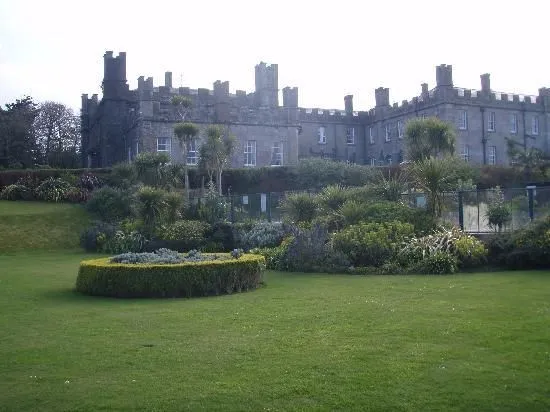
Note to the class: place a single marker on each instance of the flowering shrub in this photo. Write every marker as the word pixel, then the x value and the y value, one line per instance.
pixel 263 234
pixel 438 263
pixel 16 192
pixel 52 190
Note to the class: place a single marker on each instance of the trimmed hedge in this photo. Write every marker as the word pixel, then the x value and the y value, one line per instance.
pixel 99 277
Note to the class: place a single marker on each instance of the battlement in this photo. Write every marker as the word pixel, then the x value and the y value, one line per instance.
pixel 323 115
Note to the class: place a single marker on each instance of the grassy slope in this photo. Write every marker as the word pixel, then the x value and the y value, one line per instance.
pixel 464 342
pixel 26 226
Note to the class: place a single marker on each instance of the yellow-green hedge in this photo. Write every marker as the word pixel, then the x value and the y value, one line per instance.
pixel 102 278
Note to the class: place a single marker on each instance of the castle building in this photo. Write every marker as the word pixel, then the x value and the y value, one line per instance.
pixel 127 122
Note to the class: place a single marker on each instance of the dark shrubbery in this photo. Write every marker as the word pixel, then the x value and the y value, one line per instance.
pixel 214 277
pixel 372 244
pixel 16 192
pixel 110 204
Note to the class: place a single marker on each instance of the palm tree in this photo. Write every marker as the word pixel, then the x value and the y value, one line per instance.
pixel 215 153
pixel 432 137
pixel 185 132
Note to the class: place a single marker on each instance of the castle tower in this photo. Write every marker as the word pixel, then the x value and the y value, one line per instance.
pixel 267 85
pixel 114 76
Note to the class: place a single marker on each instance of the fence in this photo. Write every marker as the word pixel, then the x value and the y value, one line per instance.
pixel 467 209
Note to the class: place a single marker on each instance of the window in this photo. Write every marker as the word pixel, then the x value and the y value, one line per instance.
pixel 513 123
pixel 192 153
pixel 535 125
pixel 424 116
pixel 164 144
pixel 277 154
pixel 400 129
pixel 322 135
pixel 350 135
pixel 250 153
pixel 462 120
pixel 372 161
pixel 492 155
pixel 371 136
pixel 465 153
pixel 491 122
pixel 387 132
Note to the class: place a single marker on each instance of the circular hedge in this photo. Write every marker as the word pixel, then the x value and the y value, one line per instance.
pixel 100 277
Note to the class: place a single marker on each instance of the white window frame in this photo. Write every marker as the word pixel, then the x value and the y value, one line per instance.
pixel 372 161
pixel 535 125
pixel 492 157
pixel 465 154
pixel 387 133
pixel 491 122
pixel 166 145
pixel 277 154
pixel 350 135
pixel 371 136
pixel 192 153
pixel 400 129
pixel 321 133
pixel 250 153
pixel 462 119
pixel 513 123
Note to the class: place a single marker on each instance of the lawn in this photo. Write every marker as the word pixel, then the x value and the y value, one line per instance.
pixel 303 342
pixel 40 226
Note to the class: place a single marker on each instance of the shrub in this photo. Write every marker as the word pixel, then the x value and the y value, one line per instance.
pixel 310 250
pixel 95 236
pixel 110 204
pixel 275 257
pixel 160 256
pixel 192 232
pixel 299 208
pixel 332 198
pixel 530 246
pixel 213 277
pixel 77 195
pixel 468 251
pixel 174 205
pixel 264 234
pixel 16 192
pixel 52 190
pixel 213 207
pixel 372 244
pixel 219 238
pixel 151 207
pixel 123 175
pixel 122 242
pixel 438 263
pixel 88 181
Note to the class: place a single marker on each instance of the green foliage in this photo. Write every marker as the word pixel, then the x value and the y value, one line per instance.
pixel 110 204
pixel 318 173
pixel 429 138
pixel 124 175
pixel 435 176
pixel 391 187
pixel 498 212
pixel 468 250
pixel 263 235
pixel 149 166
pixel 160 256
pixel 151 207
pixel 33 177
pixel 191 233
pixel 213 207
pixel 52 190
pixel 174 206
pixel 372 244
pixel 332 198
pixel 16 192
pixel 310 250
pixel 77 195
pixel 215 153
pixel 299 208
pixel 213 277
pixel 181 101
pixel 438 263
pixel 94 237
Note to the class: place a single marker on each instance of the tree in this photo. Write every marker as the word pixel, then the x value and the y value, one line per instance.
pixel 435 176
pixel 185 132
pixel 17 138
pixel 426 138
pixel 527 160
pixel 57 132
pixel 182 105
pixel 215 153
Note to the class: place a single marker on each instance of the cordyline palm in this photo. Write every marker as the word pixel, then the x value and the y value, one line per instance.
pixel 185 132
pixel 427 138
pixel 215 153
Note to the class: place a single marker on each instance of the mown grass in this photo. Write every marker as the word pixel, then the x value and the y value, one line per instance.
pixel 303 342
pixel 28 226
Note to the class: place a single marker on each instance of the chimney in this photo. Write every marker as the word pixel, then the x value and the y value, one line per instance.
pixel 168 79
pixel 486 82
pixel 348 103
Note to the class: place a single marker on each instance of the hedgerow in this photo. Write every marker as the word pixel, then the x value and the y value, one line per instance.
pixel 214 277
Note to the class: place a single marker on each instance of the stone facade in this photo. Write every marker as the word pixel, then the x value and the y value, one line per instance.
pixel 126 122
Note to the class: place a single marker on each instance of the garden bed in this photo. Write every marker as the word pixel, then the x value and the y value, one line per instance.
pixel 224 275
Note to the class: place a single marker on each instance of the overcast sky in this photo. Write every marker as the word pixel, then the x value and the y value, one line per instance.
pixel 53 50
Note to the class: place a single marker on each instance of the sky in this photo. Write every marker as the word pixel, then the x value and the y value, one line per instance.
pixel 53 50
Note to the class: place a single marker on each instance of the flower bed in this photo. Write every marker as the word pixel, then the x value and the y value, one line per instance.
pixel 221 275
